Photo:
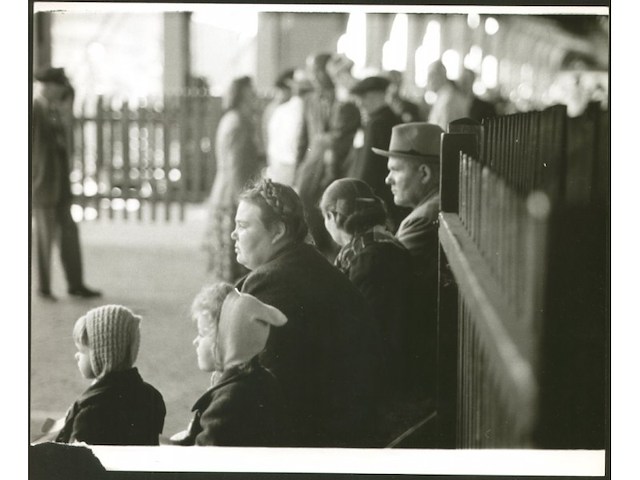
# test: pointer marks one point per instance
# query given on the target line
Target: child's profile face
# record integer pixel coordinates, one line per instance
(84, 363)
(204, 342)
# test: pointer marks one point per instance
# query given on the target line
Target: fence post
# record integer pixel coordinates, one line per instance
(453, 145)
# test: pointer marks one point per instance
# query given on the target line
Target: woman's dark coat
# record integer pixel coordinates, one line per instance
(325, 356)
(119, 409)
(381, 268)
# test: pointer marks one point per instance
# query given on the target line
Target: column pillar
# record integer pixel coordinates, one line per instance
(177, 52)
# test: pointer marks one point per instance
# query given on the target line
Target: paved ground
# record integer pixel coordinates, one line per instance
(155, 269)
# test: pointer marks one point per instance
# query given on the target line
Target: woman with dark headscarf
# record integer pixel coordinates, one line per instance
(376, 263)
(238, 161)
(326, 356)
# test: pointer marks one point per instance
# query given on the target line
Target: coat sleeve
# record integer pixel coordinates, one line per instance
(225, 421)
(92, 425)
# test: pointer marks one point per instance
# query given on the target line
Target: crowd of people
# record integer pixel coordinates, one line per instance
(319, 325)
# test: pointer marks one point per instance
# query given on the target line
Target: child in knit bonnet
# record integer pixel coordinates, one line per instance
(119, 408)
(243, 407)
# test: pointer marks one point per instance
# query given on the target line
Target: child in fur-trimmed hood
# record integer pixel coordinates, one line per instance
(243, 406)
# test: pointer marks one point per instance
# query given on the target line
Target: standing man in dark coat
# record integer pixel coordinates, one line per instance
(378, 119)
(51, 190)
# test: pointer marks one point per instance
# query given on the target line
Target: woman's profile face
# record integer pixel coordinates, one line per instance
(254, 243)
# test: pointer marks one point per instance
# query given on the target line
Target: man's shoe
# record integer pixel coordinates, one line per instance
(84, 292)
(47, 295)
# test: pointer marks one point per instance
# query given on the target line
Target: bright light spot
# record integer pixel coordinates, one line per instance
(75, 176)
(451, 60)
(76, 189)
(146, 190)
(158, 174)
(394, 51)
(90, 187)
(491, 26)
(76, 213)
(430, 97)
(428, 52)
(489, 74)
(118, 204)
(525, 91)
(132, 204)
(473, 20)
(473, 59)
(116, 192)
(174, 175)
(105, 203)
(479, 89)
(353, 43)
(90, 213)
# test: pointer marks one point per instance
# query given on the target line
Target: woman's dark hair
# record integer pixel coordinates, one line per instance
(235, 94)
(278, 202)
(355, 207)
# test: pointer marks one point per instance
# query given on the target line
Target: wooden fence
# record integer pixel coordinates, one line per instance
(145, 160)
(523, 305)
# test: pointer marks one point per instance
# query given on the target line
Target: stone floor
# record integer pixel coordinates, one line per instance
(153, 268)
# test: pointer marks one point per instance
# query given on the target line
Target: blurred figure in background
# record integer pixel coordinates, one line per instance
(478, 108)
(281, 94)
(326, 139)
(403, 108)
(378, 120)
(451, 103)
(51, 189)
(284, 129)
(238, 161)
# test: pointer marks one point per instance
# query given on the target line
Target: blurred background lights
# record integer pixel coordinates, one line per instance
(77, 213)
(489, 74)
(451, 60)
(473, 59)
(428, 52)
(473, 20)
(394, 51)
(90, 187)
(353, 42)
(491, 26)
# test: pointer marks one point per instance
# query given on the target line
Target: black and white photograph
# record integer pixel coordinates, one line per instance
(318, 239)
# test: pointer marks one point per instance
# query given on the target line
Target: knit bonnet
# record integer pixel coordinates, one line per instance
(113, 334)
(244, 327)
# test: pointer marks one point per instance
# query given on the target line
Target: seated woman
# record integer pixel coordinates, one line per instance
(325, 357)
(377, 264)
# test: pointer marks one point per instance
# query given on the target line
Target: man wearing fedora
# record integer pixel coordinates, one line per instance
(414, 178)
(50, 187)
(378, 119)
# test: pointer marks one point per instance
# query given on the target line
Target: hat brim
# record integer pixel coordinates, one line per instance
(385, 153)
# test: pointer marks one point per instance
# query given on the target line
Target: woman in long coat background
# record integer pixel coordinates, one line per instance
(239, 160)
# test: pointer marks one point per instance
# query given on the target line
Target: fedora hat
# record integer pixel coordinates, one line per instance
(417, 140)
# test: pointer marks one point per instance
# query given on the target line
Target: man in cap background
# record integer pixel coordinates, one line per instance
(325, 141)
(51, 189)
(378, 120)
(414, 178)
